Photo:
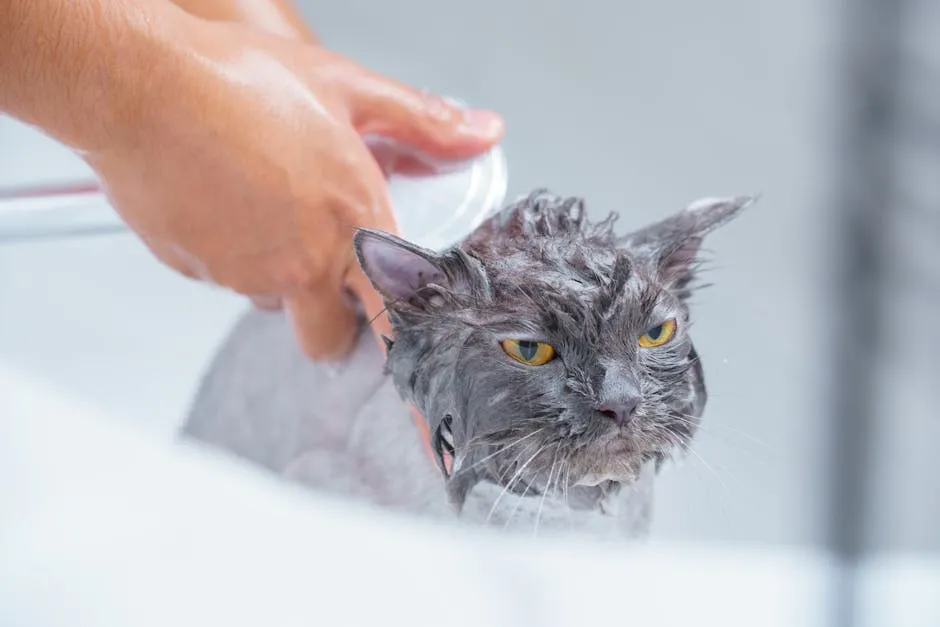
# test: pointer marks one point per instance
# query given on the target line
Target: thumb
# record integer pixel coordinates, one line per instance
(429, 123)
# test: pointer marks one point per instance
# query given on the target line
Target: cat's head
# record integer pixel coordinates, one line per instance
(545, 352)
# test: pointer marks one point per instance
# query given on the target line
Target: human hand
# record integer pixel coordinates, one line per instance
(246, 168)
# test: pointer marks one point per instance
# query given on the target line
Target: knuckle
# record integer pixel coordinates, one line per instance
(308, 273)
(441, 111)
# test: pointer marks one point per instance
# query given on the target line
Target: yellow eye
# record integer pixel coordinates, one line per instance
(658, 335)
(529, 352)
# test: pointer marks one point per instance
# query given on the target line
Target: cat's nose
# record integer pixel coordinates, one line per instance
(620, 411)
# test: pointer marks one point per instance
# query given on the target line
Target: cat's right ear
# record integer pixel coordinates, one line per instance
(671, 246)
(397, 269)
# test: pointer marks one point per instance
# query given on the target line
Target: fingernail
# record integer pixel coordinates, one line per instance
(487, 124)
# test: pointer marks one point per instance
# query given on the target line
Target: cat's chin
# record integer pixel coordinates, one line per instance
(613, 459)
(594, 479)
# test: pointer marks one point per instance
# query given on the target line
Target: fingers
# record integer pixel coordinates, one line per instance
(430, 123)
(325, 323)
(327, 326)
(323, 313)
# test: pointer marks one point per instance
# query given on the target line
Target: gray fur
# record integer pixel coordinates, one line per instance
(532, 447)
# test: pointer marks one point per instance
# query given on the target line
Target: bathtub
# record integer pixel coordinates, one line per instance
(105, 525)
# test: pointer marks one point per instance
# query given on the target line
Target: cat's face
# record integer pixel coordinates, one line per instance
(545, 353)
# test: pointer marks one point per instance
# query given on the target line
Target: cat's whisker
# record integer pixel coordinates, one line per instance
(494, 437)
(711, 469)
(675, 442)
(559, 491)
(548, 487)
(753, 439)
(511, 467)
(529, 486)
(748, 439)
(567, 483)
(372, 320)
(506, 488)
(512, 481)
(515, 509)
(711, 430)
(722, 496)
(690, 449)
(478, 463)
(513, 464)
(687, 420)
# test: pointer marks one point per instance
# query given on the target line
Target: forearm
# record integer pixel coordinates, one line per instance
(275, 16)
(77, 69)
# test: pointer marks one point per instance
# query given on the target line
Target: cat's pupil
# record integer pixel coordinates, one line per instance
(655, 332)
(528, 349)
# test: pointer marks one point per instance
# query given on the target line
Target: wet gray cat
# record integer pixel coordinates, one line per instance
(550, 359)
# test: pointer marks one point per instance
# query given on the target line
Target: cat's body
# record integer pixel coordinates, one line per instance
(537, 352)
(343, 429)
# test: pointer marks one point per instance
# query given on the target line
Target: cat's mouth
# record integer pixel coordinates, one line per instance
(614, 460)
(594, 479)
(581, 480)
(566, 470)
(612, 470)
(618, 457)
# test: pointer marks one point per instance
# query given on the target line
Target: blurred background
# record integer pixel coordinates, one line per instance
(820, 333)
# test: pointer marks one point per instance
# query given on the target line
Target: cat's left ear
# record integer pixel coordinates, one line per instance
(671, 246)
(396, 268)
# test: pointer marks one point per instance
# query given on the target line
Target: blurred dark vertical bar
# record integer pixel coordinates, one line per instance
(866, 119)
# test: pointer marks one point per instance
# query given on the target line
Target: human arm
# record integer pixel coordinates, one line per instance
(72, 68)
(235, 155)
